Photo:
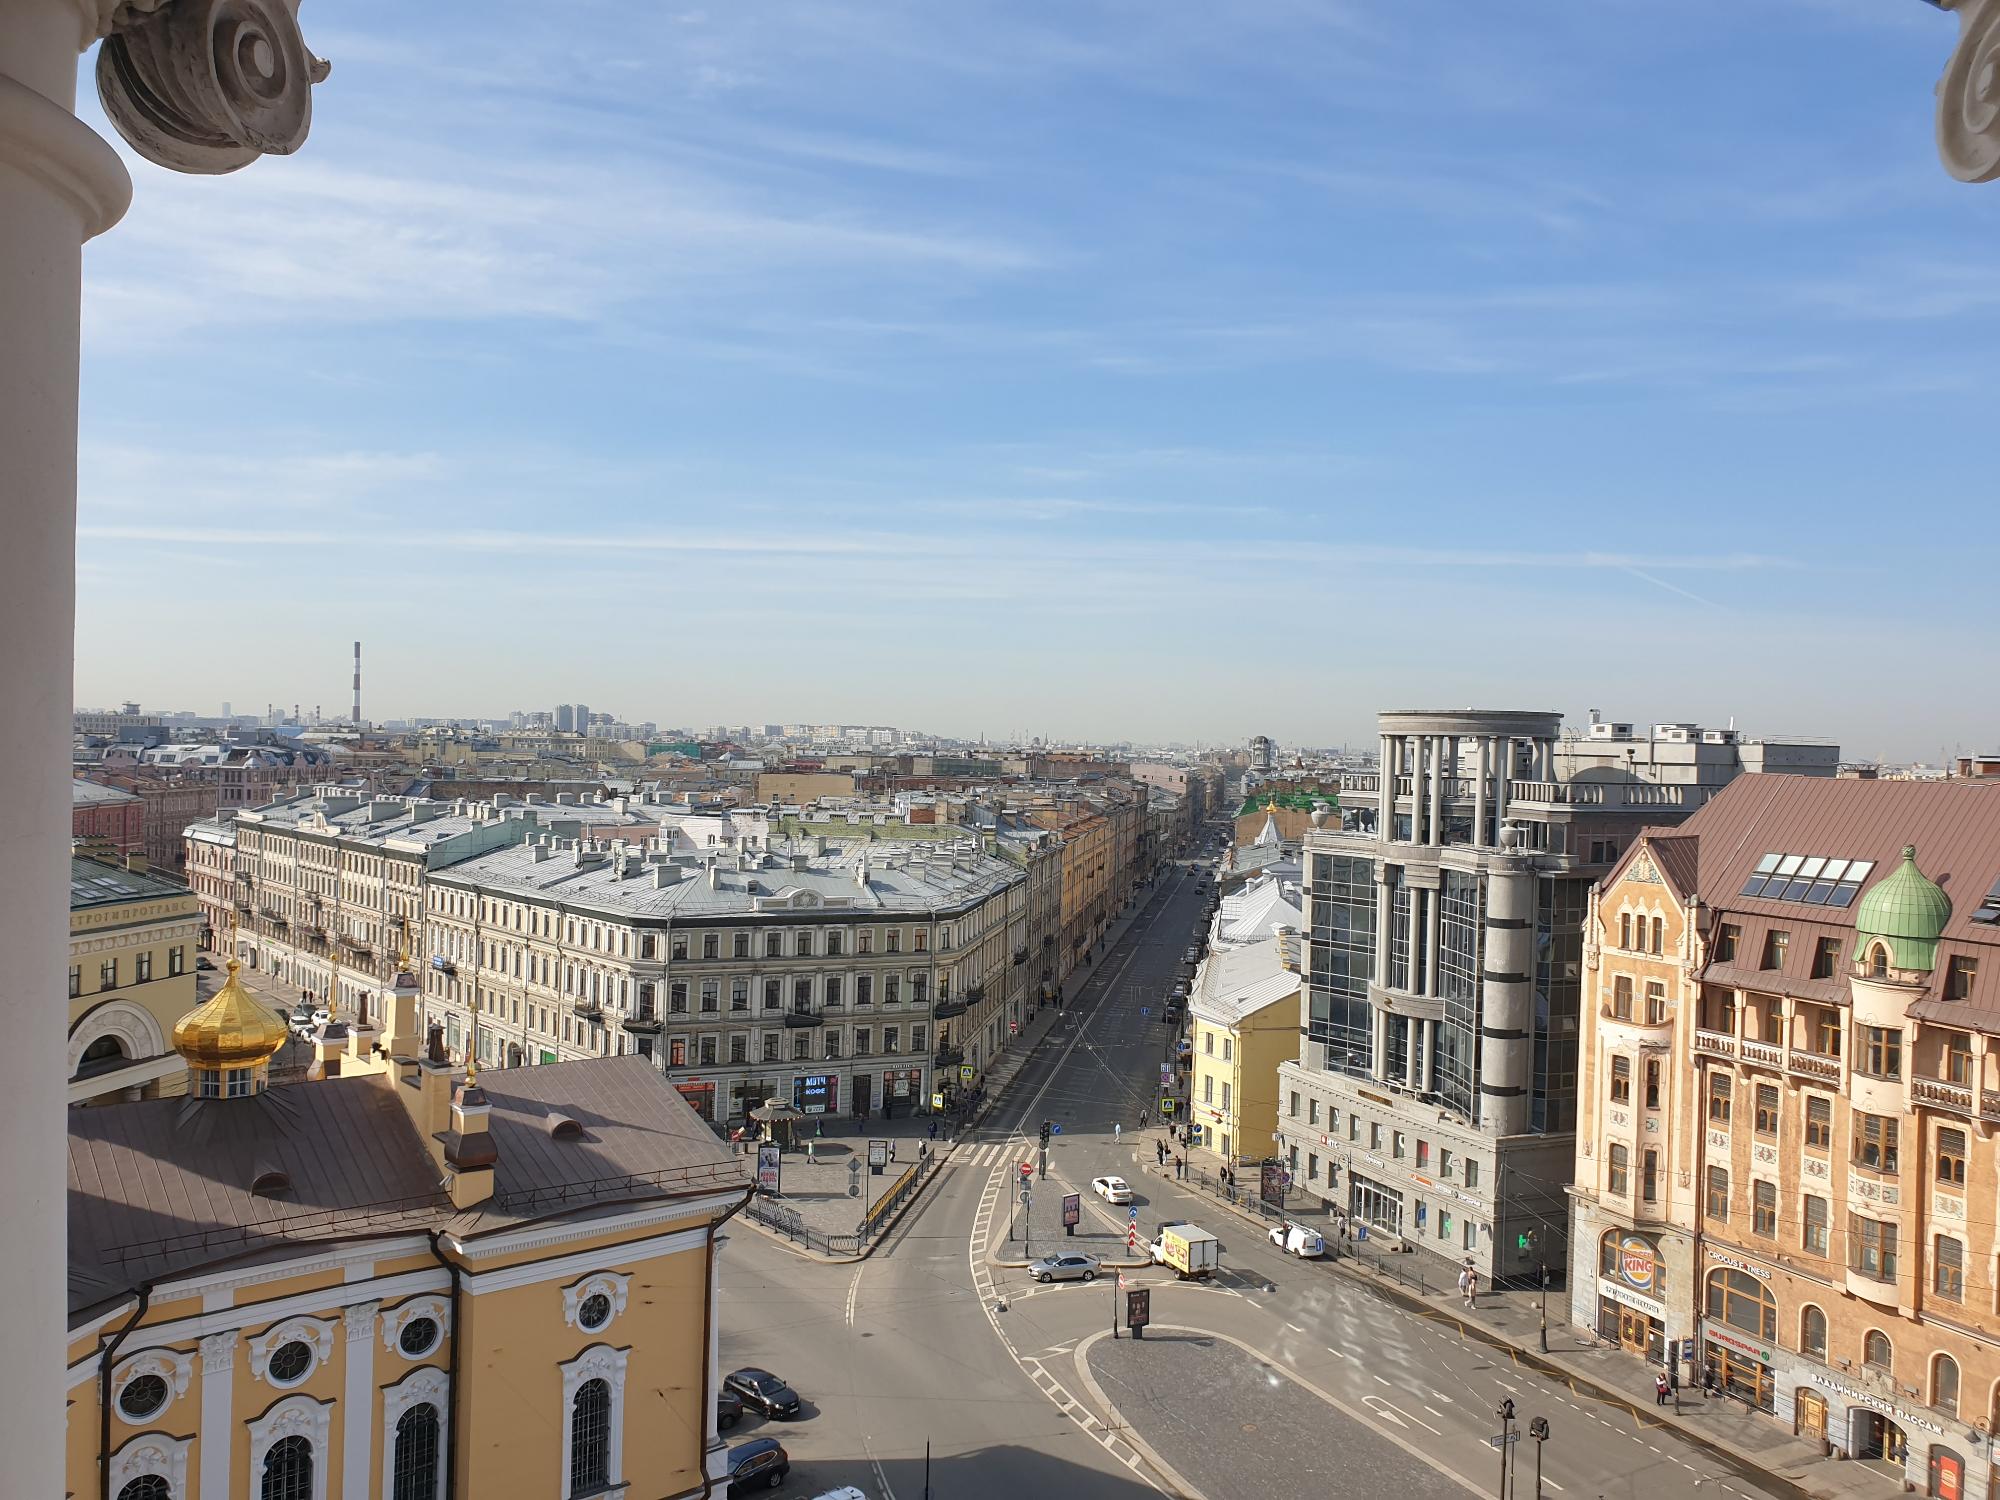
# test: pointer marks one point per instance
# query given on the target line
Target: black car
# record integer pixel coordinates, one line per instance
(728, 1410)
(765, 1391)
(758, 1464)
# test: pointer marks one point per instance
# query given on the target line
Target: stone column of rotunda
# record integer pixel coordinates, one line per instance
(197, 86)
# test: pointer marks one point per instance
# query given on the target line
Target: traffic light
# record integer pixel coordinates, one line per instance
(1047, 1128)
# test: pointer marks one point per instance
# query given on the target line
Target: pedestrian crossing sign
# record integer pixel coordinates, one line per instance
(1166, 1106)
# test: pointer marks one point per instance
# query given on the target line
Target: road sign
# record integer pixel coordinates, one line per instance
(1503, 1440)
(1027, 1170)
(1166, 1106)
(966, 1072)
(1055, 1129)
(1145, 1011)
(937, 1101)
(1072, 1210)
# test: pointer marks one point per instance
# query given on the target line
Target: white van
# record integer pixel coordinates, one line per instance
(1299, 1240)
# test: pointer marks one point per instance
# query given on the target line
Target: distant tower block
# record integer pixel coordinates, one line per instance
(357, 684)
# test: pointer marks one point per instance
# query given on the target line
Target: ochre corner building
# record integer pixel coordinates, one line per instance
(392, 1282)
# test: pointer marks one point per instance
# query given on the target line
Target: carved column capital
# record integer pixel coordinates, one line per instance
(207, 85)
(218, 1351)
(1968, 95)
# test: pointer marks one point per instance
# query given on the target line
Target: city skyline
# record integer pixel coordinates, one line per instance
(1220, 377)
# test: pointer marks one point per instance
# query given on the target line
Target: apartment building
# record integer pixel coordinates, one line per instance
(844, 976)
(105, 819)
(132, 947)
(323, 889)
(1809, 970)
(1445, 903)
(169, 803)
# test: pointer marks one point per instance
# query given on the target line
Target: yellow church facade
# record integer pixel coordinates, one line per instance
(393, 1282)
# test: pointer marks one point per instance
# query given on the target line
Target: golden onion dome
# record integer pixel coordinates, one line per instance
(234, 1029)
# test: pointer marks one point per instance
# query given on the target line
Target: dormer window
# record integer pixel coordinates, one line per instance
(1878, 961)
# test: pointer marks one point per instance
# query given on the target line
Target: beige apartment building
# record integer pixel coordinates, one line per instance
(1791, 1087)
(322, 890)
(843, 976)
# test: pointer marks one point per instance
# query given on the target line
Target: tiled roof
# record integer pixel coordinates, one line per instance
(1955, 826)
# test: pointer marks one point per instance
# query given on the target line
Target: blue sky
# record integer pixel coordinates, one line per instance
(1094, 369)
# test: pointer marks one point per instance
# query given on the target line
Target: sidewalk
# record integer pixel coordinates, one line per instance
(1589, 1366)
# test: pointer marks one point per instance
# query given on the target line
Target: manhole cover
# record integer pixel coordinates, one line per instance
(1249, 1426)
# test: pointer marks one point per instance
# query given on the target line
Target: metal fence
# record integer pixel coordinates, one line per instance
(790, 1223)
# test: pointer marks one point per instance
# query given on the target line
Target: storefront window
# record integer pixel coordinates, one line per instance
(1742, 1301)
(1741, 1377)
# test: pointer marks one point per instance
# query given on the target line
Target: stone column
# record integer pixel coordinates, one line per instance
(1412, 1056)
(357, 1406)
(1437, 744)
(186, 104)
(1387, 762)
(60, 184)
(218, 1418)
(1482, 769)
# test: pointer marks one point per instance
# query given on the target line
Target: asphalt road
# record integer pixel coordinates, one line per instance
(1019, 1390)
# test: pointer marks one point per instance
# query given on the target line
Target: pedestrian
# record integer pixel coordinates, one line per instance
(819, 1129)
(1660, 1389)
(892, 1151)
(1161, 1148)
(810, 1158)
(934, 1128)
(1142, 1119)
(1468, 1283)
(1117, 1131)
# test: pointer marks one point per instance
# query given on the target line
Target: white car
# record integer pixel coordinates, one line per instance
(1112, 1189)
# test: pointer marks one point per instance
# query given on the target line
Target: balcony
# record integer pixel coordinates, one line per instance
(1715, 1043)
(944, 1010)
(356, 944)
(274, 914)
(1765, 1054)
(1816, 1065)
(1936, 1092)
(950, 1057)
(314, 931)
(586, 1009)
(645, 1023)
(1020, 956)
(797, 1019)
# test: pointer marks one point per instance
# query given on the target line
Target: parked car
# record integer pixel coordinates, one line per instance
(761, 1463)
(202, 963)
(728, 1409)
(1070, 1267)
(764, 1391)
(1298, 1239)
(1112, 1189)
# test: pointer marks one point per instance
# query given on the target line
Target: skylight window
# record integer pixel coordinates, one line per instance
(1810, 879)
(1989, 907)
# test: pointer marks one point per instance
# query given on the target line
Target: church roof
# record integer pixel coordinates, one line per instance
(164, 1187)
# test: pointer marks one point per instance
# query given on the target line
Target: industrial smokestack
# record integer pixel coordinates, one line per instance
(357, 684)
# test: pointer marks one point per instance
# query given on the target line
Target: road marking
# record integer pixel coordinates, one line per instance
(854, 1291)
(881, 1479)
(1295, 1328)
